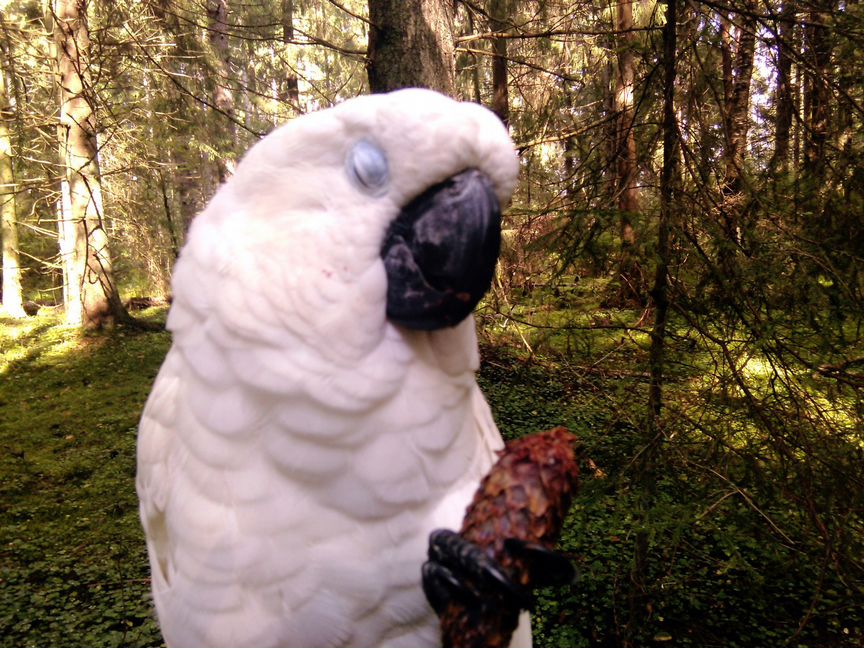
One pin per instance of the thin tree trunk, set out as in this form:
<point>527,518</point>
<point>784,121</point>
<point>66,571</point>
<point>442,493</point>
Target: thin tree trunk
<point>252,115</point>
<point>727,52</point>
<point>223,96</point>
<point>669,181</point>
<point>169,218</point>
<point>784,92</point>
<point>185,163</point>
<point>98,303</point>
<point>738,103</point>
<point>66,245</point>
<point>11,296</point>
<point>628,200</point>
<point>475,68</point>
<point>845,129</point>
<point>292,84</point>
<point>818,90</point>
<point>499,14</point>
<point>626,172</point>
<point>798,109</point>
<point>739,50</point>
<point>411,45</point>
<point>647,465</point>
<point>570,151</point>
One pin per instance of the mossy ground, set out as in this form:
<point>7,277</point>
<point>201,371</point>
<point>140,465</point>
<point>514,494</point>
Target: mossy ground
<point>73,566</point>
<point>72,557</point>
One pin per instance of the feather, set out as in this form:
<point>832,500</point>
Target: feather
<point>298,447</point>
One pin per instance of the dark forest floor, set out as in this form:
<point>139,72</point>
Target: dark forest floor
<point>73,567</point>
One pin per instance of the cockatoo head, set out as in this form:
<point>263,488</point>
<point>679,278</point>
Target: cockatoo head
<point>383,204</point>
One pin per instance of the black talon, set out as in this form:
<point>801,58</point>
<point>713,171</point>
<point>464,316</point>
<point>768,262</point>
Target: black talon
<point>449,548</point>
<point>459,569</point>
<point>441,586</point>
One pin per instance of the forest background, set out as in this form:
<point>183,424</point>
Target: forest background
<point>681,283</point>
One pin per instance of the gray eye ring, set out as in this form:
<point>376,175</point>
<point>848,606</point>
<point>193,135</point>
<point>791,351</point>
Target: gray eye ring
<point>367,167</point>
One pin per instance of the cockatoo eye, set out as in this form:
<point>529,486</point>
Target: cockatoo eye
<point>367,167</point>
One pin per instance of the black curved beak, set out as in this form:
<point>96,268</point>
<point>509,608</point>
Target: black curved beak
<point>440,252</point>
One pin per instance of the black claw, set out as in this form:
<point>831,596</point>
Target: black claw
<point>449,548</point>
<point>441,587</point>
<point>459,569</point>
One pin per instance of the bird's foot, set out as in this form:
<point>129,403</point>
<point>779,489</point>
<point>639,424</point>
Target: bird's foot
<point>459,570</point>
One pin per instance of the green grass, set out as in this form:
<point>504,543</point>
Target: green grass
<point>73,566</point>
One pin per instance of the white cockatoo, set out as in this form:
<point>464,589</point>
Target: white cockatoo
<point>318,415</point>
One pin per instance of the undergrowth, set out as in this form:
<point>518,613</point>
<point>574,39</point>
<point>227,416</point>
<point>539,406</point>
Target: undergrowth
<point>73,565</point>
<point>726,568</point>
<point>734,559</point>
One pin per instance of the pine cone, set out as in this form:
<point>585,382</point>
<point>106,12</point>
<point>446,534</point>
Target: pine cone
<point>524,497</point>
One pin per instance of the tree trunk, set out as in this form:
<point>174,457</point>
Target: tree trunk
<point>845,124</point>
<point>784,93</point>
<point>570,150</point>
<point>66,244</point>
<point>223,97</point>
<point>669,182</point>
<point>739,50</point>
<point>185,162</point>
<point>737,107</point>
<point>292,85</point>
<point>626,167</point>
<point>475,67</point>
<point>499,15</point>
<point>97,303</point>
<point>648,464</point>
<point>818,88</point>
<point>411,45</point>
<point>727,52</point>
<point>11,297</point>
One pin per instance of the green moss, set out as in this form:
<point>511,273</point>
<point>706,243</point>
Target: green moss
<point>74,570</point>
<point>74,567</point>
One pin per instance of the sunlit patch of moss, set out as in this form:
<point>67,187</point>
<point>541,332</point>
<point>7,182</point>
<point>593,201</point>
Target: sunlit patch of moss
<point>74,560</point>
<point>757,369</point>
<point>564,318</point>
